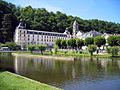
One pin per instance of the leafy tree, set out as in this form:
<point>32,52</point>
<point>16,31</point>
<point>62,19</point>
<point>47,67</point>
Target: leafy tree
<point>41,48</point>
<point>99,41</point>
<point>72,43</point>
<point>31,48</point>
<point>55,49</point>
<point>113,40</point>
<point>58,43</point>
<point>64,43</point>
<point>113,50</point>
<point>89,41</point>
<point>79,43</point>
<point>91,49</point>
<point>11,45</point>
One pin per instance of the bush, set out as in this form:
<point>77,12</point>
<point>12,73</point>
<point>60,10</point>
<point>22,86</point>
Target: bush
<point>91,49</point>
<point>113,51</point>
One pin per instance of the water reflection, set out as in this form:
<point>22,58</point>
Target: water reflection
<point>68,75</point>
<point>57,72</point>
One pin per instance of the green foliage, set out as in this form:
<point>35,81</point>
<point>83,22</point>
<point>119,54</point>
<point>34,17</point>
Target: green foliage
<point>89,41</point>
<point>11,45</point>
<point>64,43</point>
<point>71,43</point>
<point>1,44</point>
<point>41,48</point>
<point>99,41</point>
<point>113,50</point>
<point>79,43</point>
<point>91,49</point>
<point>58,43</point>
<point>113,40</point>
<point>31,48</point>
<point>55,49</point>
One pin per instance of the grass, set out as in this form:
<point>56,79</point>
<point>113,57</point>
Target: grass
<point>10,81</point>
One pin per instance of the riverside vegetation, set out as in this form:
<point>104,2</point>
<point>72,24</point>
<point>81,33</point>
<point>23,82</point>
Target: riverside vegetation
<point>73,47</point>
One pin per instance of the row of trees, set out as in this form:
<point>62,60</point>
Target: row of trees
<point>98,41</point>
<point>10,45</point>
<point>91,43</point>
<point>40,48</point>
<point>41,19</point>
<point>78,43</point>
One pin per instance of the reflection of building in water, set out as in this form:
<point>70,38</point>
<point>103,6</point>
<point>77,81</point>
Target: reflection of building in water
<point>118,61</point>
<point>23,64</point>
<point>55,71</point>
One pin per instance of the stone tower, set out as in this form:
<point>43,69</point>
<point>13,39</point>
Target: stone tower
<point>75,28</point>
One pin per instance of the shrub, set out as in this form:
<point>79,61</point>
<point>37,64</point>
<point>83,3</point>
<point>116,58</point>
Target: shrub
<point>91,49</point>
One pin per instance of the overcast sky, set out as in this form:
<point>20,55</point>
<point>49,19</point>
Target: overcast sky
<point>107,10</point>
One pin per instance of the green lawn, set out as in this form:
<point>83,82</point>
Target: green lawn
<point>10,81</point>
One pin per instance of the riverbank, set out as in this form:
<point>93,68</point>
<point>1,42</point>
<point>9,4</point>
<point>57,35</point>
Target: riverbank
<point>68,58</point>
<point>10,81</point>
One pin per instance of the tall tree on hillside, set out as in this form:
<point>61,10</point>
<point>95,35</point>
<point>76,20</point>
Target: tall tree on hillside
<point>8,27</point>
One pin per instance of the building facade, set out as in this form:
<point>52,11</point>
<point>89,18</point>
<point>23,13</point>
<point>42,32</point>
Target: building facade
<point>24,37</point>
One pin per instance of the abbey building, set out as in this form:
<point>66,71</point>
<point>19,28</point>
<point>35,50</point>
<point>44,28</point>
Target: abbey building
<point>24,37</point>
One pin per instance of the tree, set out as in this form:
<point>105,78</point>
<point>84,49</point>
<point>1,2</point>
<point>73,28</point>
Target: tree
<point>113,50</point>
<point>58,43</point>
<point>31,48</point>
<point>64,43</point>
<point>55,49</point>
<point>41,48</point>
<point>79,43</point>
<point>91,49</point>
<point>113,41</point>
<point>72,43</point>
<point>11,45</point>
<point>89,41</point>
<point>99,41</point>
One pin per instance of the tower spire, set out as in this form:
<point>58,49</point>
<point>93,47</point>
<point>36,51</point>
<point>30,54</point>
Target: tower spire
<point>75,28</point>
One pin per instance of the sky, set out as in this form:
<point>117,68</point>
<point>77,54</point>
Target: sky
<point>107,10</point>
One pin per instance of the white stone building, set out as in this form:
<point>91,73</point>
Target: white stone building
<point>24,37</point>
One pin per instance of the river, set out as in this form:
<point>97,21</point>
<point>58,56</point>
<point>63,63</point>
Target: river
<point>83,74</point>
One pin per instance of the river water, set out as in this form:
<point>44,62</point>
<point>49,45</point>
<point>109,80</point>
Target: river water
<point>82,74</point>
